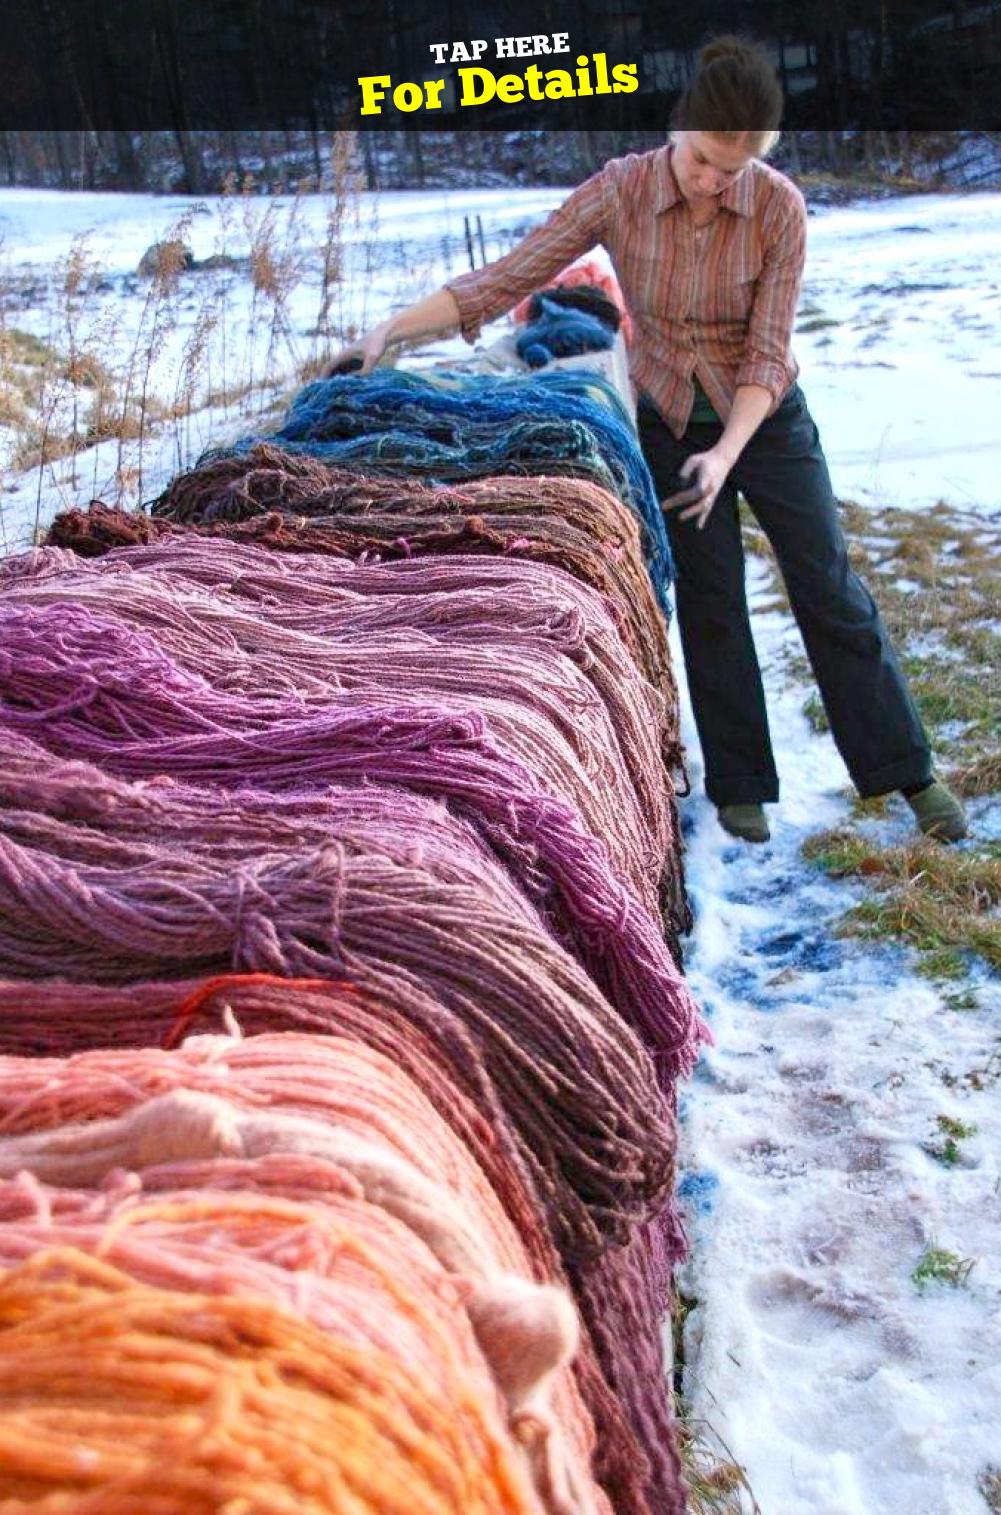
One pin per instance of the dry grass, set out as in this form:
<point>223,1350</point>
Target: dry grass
<point>941,900</point>
<point>23,350</point>
<point>981,776</point>
<point>965,880</point>
<point>13,411</point>
<point>342,214</point>
<point>717,1484</point>
<point>38,447</point>
<point>936,576</point>
<point>989,1484</point>
<point>62,395</point>
<point>25,360</point>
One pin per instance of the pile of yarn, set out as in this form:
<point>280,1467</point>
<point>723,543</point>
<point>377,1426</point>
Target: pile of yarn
<point>341,1013</point>
<point>566,323</point>
<point>447,427</point>
<point>587,298</point>
<point>592,272</point>
<point>296,503</point>
<point>282,1289</point>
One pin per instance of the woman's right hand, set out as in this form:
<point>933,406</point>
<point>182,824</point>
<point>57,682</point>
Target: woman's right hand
<point>361,357</point>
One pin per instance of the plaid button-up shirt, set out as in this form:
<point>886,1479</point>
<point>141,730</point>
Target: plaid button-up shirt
<point>715,302</point>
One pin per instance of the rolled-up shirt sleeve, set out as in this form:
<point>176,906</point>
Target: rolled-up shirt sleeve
<point>768,357</point>
<point>581,222</point>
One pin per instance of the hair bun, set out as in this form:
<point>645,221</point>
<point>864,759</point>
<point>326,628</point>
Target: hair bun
<point>723,47</point>
<point>741,95</point>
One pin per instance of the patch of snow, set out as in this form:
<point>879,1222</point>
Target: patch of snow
<point>903,385</point>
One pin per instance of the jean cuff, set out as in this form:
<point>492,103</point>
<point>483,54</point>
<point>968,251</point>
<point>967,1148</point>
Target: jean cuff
<point>751,789</point>
<point>916,768</point>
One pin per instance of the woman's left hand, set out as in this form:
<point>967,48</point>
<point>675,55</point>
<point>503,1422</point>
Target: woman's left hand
<point>707,472</point>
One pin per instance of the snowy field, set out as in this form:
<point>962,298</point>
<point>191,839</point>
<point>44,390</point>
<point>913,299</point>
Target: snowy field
<point>898,337</point>
<point>841,1384</point>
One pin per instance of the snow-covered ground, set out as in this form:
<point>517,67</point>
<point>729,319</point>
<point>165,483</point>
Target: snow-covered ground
<point>396,246</point>
<point>898,336</point>
<point>841,1386</point>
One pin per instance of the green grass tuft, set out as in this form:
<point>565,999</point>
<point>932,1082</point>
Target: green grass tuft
<point>946,1148</point>
<point>936,1266</point>
<point>960,1000</point>
<point>941,900</point>
<point>815,713</point>
<point>959,1130</point>
<point>941,964</point>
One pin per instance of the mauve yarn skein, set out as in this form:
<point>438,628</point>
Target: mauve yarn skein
<point>122,893</point>
<point>533,647</point>
<point>95,532</point>
<point>87,686</point>
<point>582,517</point>
<point>568,524</point>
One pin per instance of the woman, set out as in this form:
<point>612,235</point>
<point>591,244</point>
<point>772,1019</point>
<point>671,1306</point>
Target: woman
<point>708,244</point>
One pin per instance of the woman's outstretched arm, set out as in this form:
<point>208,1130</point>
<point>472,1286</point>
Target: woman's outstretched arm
<point>435,314</point>
<point>471,300</point>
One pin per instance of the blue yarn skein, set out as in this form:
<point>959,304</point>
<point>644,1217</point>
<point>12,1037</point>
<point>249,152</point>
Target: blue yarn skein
<point>561,332</point>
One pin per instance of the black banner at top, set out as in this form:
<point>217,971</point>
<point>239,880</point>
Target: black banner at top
<point>414,65</point>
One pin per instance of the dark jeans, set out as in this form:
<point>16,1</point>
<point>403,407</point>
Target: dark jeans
<point>783,476</point>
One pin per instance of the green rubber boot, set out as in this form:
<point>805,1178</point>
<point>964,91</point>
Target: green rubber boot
<point>744,821</point>
<point>939,813</point>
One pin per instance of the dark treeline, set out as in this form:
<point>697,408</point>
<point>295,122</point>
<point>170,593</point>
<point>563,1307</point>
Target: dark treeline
<point>272,162</point>
<point>117,67</point>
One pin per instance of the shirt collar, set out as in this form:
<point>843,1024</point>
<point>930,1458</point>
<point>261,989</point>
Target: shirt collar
<point>739,197</point>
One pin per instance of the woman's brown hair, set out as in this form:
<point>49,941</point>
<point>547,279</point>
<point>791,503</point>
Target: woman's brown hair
<point>734,93</point>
